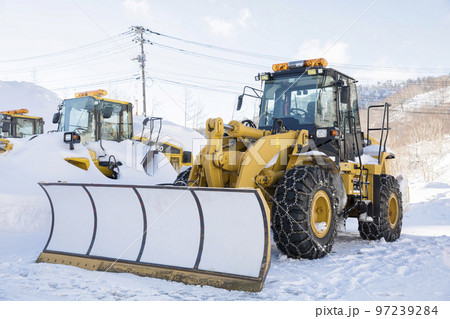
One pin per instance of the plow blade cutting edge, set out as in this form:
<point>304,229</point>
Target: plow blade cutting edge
<point>200,236</point>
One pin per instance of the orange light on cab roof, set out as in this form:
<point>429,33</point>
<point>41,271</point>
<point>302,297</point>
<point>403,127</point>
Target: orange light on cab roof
<point>280,67</point>
<point>299,64</point>
<point>21,111</point>
<point>315,62</point>
<point>92,93</point>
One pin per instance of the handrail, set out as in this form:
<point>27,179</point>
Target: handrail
<point>384,127</point>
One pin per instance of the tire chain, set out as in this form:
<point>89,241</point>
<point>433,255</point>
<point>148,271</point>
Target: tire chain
<point>290,213</point>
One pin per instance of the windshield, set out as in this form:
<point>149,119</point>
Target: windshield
<point>299,100</point>
<point>25,127</point>
<point>79,115</point>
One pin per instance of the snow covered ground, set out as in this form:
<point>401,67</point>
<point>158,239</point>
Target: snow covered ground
<point>415,267</point>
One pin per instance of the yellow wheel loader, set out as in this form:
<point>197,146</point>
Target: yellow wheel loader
<point>302,169</point>
<point>16,124</point>
<point>91,117</point>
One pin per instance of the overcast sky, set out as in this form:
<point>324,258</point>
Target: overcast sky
<point>74,45</point>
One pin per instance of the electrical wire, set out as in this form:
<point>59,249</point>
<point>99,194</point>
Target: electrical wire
<point>210,57</point>
<point>209,46</point>
<point>67,51</point>
<point>194,86</point>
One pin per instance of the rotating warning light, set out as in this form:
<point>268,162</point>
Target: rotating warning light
<point>92,93</point>
<point>299,64</point>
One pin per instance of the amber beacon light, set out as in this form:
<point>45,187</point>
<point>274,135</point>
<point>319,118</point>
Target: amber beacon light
<point>299,64</point>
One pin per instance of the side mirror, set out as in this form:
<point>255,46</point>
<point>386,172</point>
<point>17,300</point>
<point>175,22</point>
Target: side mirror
<point>239,104</point>
<point>56,117</point>
<point>107,112</point>
<point>340,83</point>
<point>345,94</point>
<point>6,126</point>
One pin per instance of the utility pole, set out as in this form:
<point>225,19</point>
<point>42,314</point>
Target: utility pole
<point>141,59</point>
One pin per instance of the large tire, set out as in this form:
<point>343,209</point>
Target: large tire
<point>182,178</point>
<point>388,224</point>
<point>304,215</point>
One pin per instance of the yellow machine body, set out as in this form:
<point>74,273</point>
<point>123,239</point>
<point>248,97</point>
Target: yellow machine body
<point>235,165</point>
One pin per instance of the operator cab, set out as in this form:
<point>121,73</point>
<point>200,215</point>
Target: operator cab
<point>94,117</point>
<point>306,95</point>
<point>16,124</point>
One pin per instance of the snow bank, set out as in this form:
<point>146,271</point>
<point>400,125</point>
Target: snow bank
<point>184,137</point>
<point>37,99</point>
<point>41,159</point>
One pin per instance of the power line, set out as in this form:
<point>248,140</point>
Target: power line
<point>95,83</point>
<point>194,86</point>
<point>209,46</point>
<point>189,76</point>
<point>66,51</point>
<point>210,57</point>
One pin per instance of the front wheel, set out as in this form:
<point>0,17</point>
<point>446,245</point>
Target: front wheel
<point>304,214</point>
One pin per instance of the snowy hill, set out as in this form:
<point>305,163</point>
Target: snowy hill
<point>38,100</point>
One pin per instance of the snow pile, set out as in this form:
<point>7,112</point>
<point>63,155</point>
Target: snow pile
<point>181,136</point>
<point>41,159</point>
<point>38,100</point>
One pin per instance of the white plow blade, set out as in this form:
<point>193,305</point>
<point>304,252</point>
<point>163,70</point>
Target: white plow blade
<point>204,236</point>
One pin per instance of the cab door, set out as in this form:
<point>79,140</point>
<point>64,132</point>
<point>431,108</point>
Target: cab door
<point>351,144</point>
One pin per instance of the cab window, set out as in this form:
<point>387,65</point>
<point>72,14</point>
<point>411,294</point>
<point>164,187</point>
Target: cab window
<point>24,127</point>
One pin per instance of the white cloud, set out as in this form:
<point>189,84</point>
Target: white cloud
<point>243,17</point>
<point>220,26</point>
<point>136,6</point>
<point>226,27</point>
<point>334,53</point>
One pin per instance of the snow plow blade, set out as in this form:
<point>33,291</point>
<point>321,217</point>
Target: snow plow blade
<point>200,236</point>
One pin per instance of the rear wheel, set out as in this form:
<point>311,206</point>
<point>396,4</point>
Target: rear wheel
<point>388,224</point>
<point>304,216</point>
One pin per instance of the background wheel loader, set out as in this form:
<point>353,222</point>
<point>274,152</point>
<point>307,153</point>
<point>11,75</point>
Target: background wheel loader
<point>302,170</point>
<point>91,117</point>
<point>16,124</point>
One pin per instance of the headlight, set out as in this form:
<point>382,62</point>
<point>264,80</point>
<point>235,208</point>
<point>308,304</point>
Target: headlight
<point>68,137</point>
<point>71,137</point>
<point>321,133</point>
